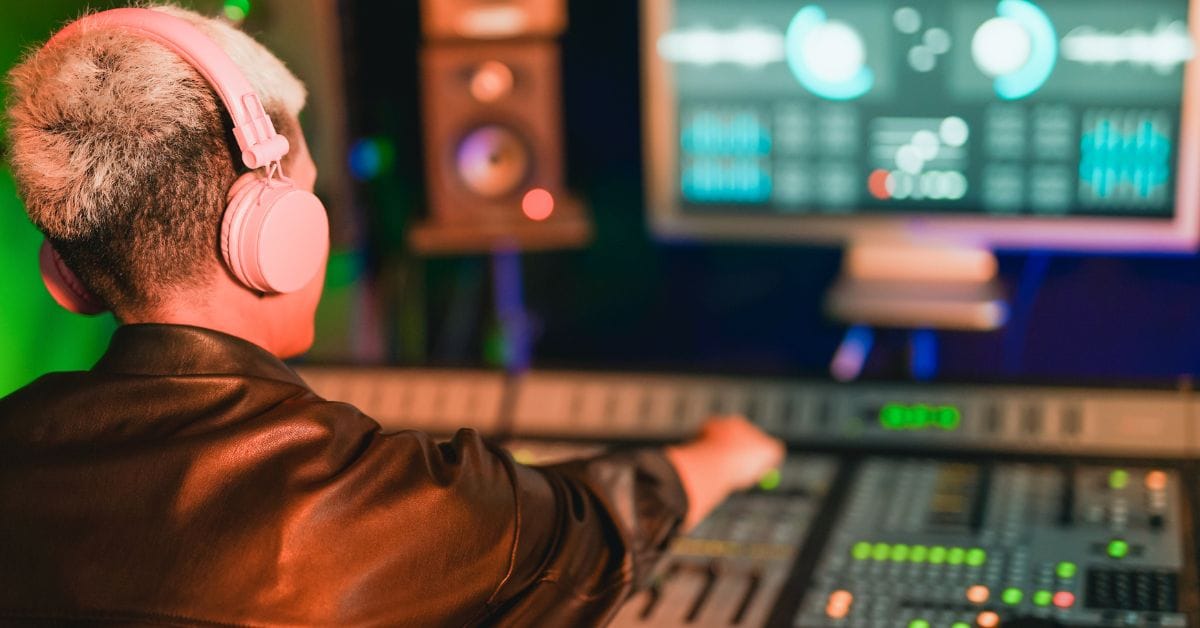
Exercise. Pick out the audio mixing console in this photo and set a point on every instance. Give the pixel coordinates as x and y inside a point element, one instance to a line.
<point>900,506</point>
<point>924,543</point>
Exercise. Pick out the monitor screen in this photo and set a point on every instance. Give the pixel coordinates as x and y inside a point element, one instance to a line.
<point>1011,122</point>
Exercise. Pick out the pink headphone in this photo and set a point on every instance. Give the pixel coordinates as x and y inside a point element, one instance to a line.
<point>274,236</point>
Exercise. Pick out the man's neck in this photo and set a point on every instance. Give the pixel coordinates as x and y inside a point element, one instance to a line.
<point>227,307</point>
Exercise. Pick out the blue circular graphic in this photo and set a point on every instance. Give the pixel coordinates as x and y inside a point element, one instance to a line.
<point>1043,50</point>
<point>807,21</point>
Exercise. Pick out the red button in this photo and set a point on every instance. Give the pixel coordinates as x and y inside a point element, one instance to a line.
<point>1064,599</point>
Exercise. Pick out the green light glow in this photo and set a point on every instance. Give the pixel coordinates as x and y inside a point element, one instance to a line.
<point>1118,549</point>
<point>913,417</point>
<point>881,551</point>
<point>937,555</point>
<point>1065,570</point>
<point>918,623</point>
<point>770,481</point>
<point>960,624</point>
<point>861,550</point>
<point>1118,479</point>
<point>976,557</point>
<point>919,554</point>
<point>1012,596</point>
<point>1043,598</point>
<point>899,553</point>
<point>237,10</point>
<point>956,555</point>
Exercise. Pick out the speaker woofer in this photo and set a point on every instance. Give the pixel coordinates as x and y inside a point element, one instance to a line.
<point>493,162</point>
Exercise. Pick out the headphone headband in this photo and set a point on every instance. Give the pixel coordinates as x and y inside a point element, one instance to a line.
<point>260,144</point>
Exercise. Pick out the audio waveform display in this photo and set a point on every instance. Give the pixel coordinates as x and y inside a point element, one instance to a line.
<point>725,156</point>
<point>1165,48</point>
<point>749,46</point>
<point>1125,159</point>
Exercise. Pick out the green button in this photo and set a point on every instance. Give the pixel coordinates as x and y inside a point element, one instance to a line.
<point>976,557</point>
<point>960,624</point>
<point>949,418</point>
<point>861,550</point>
<point>1118,479</point>
<point>1118,549</point>
<point>919,554</point>
<point>918,623</point>
<point>1012,596</point>
<point>891,416</point>
<point>956,555</point>
<point>899,553</point>
<point>1066,570</point>
<point>881,551</point>
<point>937,554</point>
<point>770,481</point>
<point>1043,598</point>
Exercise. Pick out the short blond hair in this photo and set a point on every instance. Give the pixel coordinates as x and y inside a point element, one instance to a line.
<point>123,155</point>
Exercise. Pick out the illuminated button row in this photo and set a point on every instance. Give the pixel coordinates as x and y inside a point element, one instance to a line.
<point>936,555</point>
<point>1012,596</point>
<point>986,619</point>
<point>990,619</point>
<point>1118,479</point>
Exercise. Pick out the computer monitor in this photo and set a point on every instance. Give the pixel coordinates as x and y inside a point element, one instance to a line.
<point>1047,124</point>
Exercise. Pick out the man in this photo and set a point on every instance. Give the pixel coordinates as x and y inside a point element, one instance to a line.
<point>191,477</point>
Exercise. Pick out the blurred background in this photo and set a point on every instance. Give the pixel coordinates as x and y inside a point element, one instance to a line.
<point>626,299</point>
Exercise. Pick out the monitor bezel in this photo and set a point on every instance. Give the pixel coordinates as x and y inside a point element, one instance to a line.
<point>667,220</point>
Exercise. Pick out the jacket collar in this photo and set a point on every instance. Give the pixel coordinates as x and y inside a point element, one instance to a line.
<point>174,350</point>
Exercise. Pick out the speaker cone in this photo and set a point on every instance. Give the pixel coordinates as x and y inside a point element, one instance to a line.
<point>493,161</point>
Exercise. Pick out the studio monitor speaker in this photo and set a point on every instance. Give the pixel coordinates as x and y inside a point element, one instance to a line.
<point>493,133</point>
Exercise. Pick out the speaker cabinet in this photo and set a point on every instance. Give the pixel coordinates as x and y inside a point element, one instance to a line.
<point>494,149</point>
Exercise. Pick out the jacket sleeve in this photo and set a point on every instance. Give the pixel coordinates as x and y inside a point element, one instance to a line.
<point>587,532</point>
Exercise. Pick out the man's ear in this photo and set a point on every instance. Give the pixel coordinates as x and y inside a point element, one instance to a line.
<point>66,288</point>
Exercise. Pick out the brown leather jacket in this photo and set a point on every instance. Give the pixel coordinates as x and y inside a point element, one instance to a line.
<point>191,477</point>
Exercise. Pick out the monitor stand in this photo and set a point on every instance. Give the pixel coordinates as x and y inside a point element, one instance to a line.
<point>912,286</point>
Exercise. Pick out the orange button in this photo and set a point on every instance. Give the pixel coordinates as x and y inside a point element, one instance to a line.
<point>978,594</point>
<point>841,598</point>
<point>1156,481</point>
<point>839,604</point>
<point>837,612</point>
<point>988,619</point>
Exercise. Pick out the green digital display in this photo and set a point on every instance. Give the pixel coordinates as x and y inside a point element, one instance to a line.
<point>902,417</point>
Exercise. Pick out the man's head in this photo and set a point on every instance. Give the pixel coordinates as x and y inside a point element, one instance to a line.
<point>124,156</point>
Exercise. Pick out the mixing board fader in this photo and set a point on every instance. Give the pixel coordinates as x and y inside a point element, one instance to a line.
<point>732,568</point>
<point>926,544</point>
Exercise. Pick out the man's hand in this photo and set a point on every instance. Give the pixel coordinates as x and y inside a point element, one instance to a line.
<point>731,454</point>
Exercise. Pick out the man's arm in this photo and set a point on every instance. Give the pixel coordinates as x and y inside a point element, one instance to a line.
<point>588,531</point>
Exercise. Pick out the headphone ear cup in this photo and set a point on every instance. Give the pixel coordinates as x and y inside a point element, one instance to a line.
<point>274,236</point>
<point>62,284</point>
<point>235,212</point>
